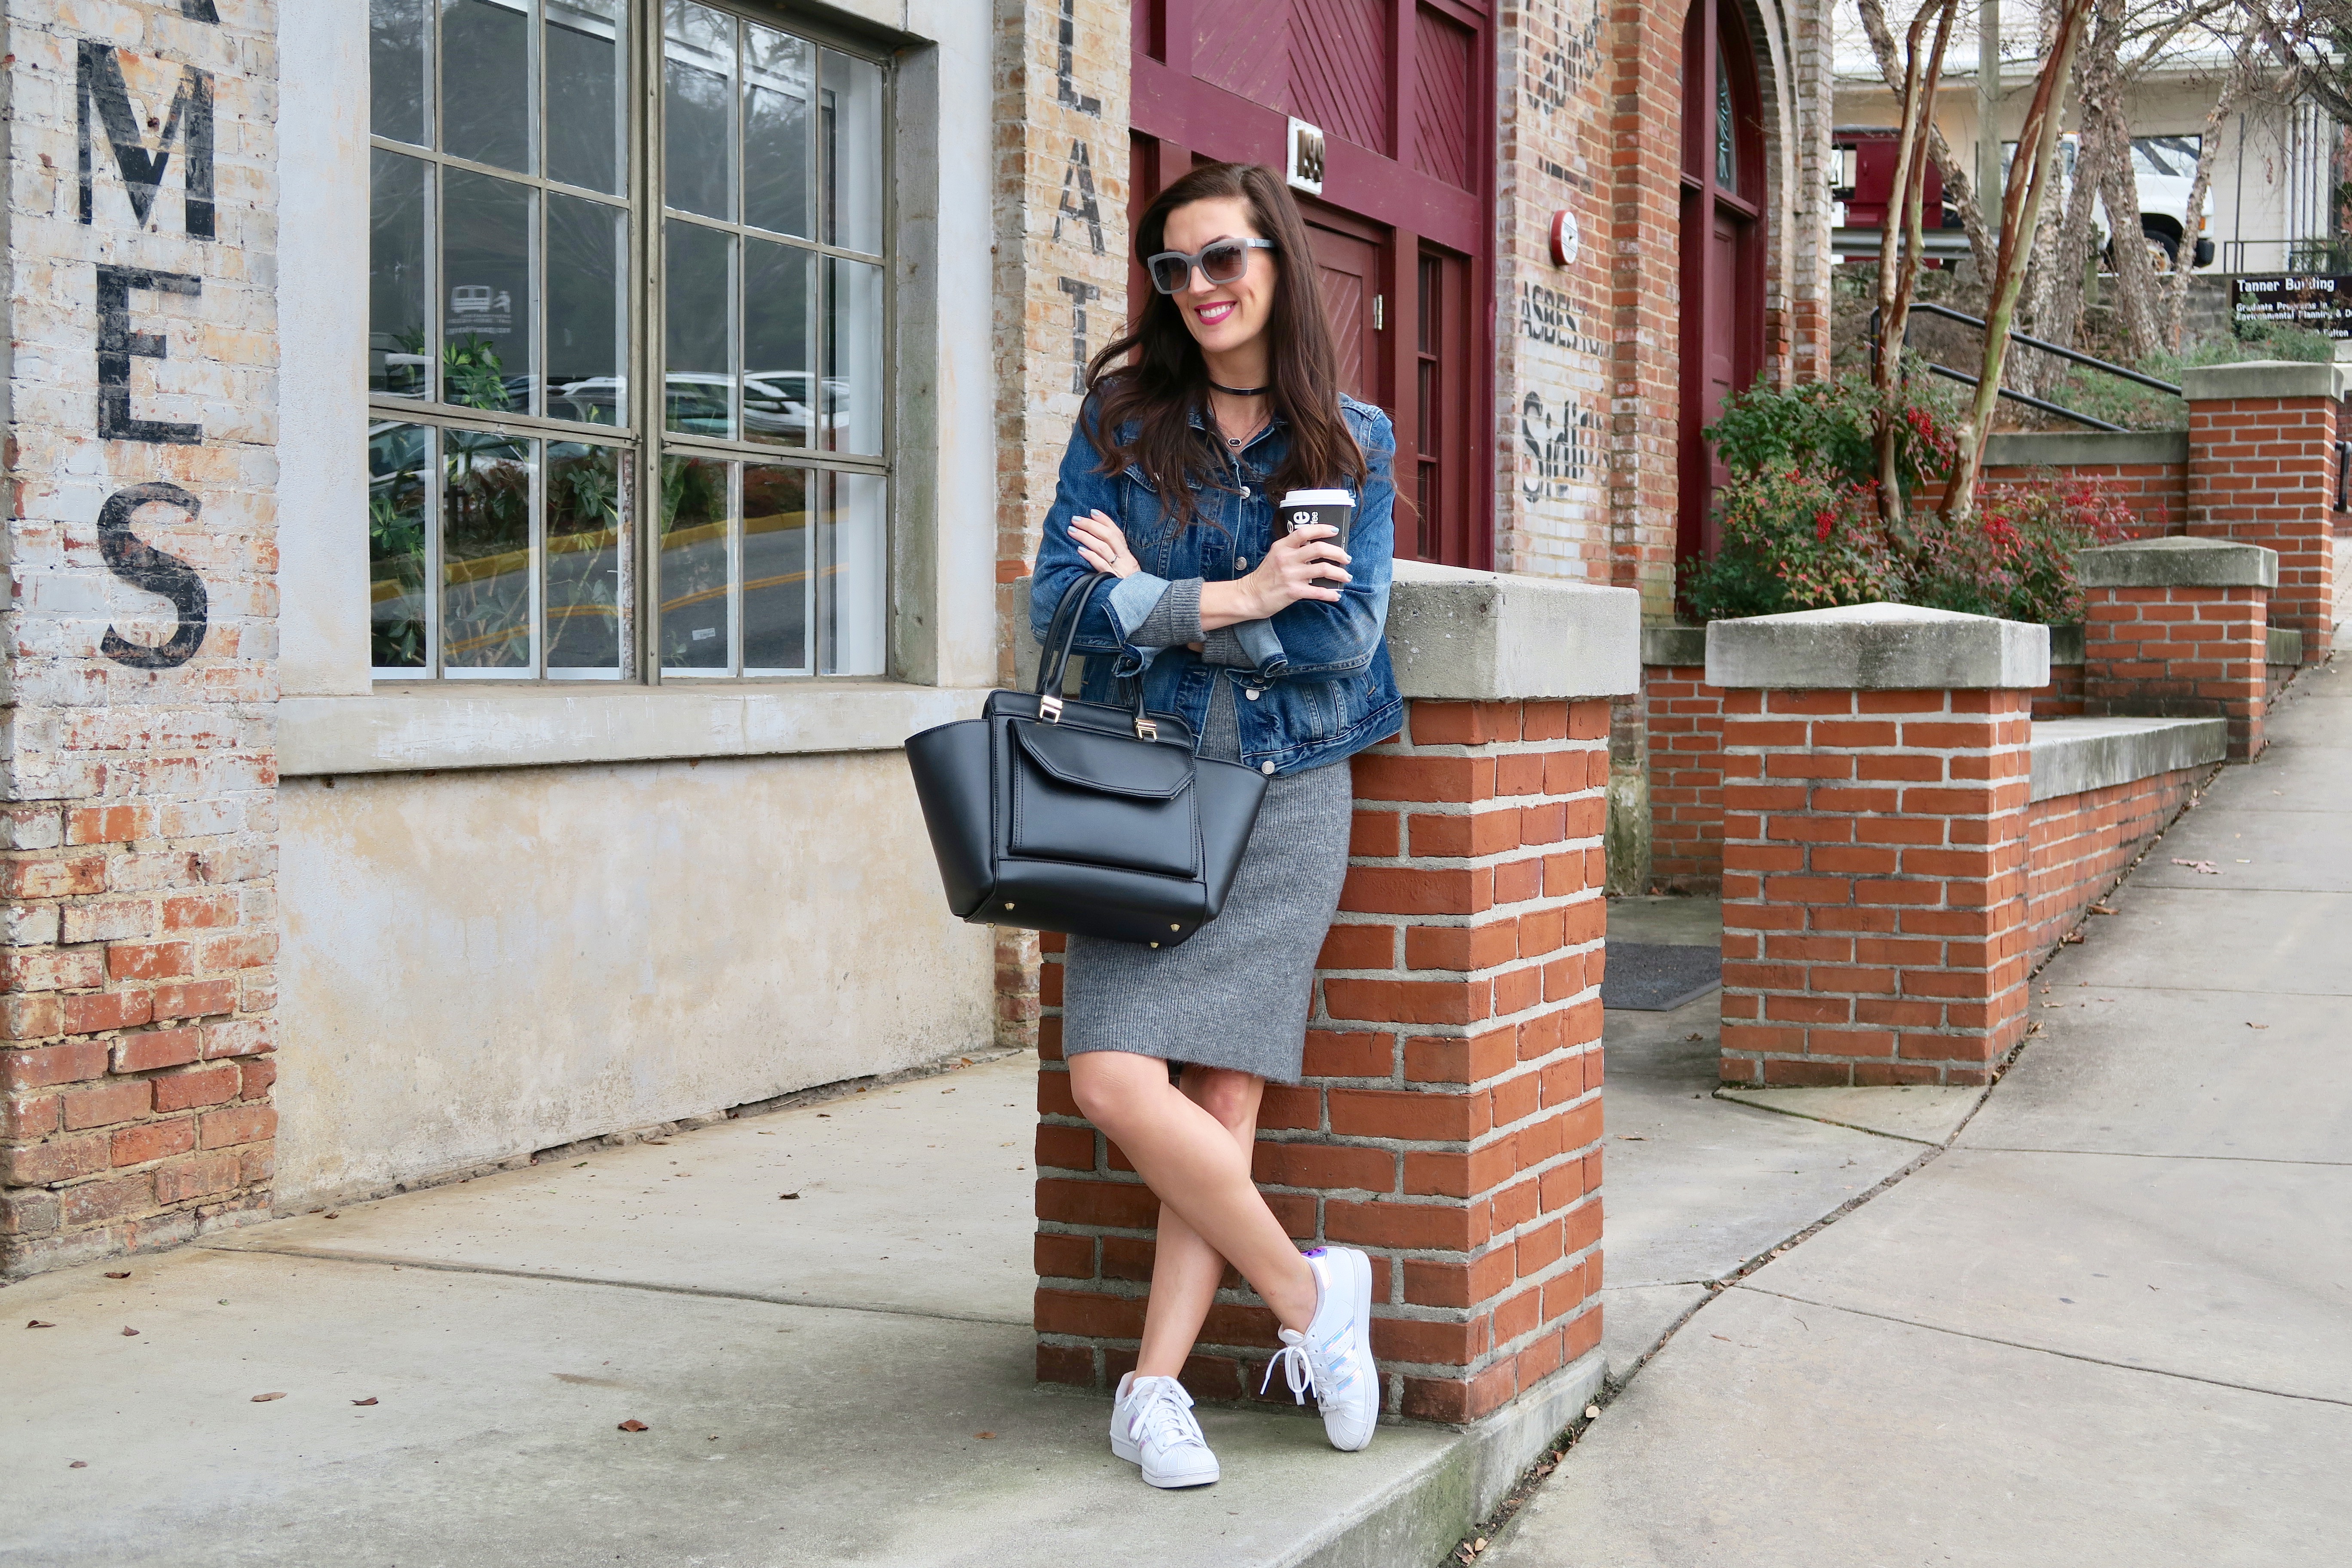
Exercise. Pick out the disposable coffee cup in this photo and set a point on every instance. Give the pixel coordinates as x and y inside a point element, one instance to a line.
<point>1336,509</point>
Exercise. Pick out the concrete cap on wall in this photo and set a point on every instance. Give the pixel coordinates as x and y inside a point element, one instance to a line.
<point>2083,448</point>
<point>1876,647</point>
<point>2176,562</point>
<point>1677,645</point>
<point>2266,378</point>
<point>1491,637</point>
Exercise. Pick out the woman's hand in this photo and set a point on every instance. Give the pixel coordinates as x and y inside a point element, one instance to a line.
<point>1303,565</point>
<point>1104,546</point>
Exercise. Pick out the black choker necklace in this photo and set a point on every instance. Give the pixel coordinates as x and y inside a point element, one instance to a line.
<point>1239,390</point>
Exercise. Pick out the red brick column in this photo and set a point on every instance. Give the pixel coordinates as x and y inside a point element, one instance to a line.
<point>1875,778</point>
<point>1450,1122</point>
<point>2179,628</point>
<point>1686,749</point>
<point>2262,471</point>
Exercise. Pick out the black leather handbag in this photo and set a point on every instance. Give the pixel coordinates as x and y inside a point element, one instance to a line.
<point>1054,813</point>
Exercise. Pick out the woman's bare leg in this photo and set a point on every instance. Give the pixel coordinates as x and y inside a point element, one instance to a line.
<point>1185,1269</point>
<point>1191,1160</point>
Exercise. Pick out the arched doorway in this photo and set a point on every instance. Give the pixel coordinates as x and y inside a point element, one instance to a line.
<point>1722,249</point>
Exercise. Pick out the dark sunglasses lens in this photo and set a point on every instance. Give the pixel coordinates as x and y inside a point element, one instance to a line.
<point>1224,263</point>
<point>1168,272</point>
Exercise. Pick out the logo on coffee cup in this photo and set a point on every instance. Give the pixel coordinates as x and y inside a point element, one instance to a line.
<point>1334,509</point>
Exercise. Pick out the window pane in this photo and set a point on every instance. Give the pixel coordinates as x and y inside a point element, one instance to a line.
<point>694,565</point>
<point>852,542</point>
<point>778,372</point>
<point>398,363</point>
<point>486,280</point>
<point>853,164</point>
<point>777,68</point>
<point>584,485</point>
<point>486,553</point>
<point>485,81</point>
<point>851,398</point>
<point>698,94</point>
<point>399,459</point>
<point>777,589</point>
<point>583,92</point>
<point>399,58</point>
<point>697,323</point>
<point>585,324</point>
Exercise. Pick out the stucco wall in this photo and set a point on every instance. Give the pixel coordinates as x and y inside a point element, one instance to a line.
<point>478,964</point>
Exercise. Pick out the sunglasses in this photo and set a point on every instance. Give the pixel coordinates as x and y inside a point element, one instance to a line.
<point>1224,261</point>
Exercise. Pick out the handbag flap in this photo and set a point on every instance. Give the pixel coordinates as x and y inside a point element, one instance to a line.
<point>1106,764</point>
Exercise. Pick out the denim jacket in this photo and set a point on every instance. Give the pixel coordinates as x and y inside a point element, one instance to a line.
<point>1312,682</point>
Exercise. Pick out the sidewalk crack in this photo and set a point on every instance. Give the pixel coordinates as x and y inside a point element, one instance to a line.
<point>2043,1349</point>
<point>2145,1155</point>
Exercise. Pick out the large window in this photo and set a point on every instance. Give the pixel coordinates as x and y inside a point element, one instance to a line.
<point>549,238</point>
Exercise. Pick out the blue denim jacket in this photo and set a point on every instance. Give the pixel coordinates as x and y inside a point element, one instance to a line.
<point>1312,682</point>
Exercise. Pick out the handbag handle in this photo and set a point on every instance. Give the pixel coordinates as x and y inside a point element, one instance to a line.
<point>1054,657</point>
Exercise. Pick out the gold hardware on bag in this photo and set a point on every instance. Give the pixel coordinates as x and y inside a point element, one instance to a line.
<point>1051,708</point>
<point>1155,944</point>
<point>1145,729</point>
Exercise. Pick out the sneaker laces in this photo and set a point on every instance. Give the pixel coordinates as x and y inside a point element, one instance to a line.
<point>1165,1417</point>
<point>1297,1369</point>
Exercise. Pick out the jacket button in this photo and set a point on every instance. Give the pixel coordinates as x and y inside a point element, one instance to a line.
<point>1265,767</point>
<point>1250,692</point>
<point>1245,493</point>
<point>1241,563</point>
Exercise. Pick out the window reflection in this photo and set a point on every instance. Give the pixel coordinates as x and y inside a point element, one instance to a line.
<point>400,490</point>
<point>777,86</point>
<point>584,80</point>
<point>399,66</point>
<point>852,368</point>
<point>698,105</point>
<point>586,328</point>
<point>486,484</point>
<point>693,565</point>
<point>777,588</point>
<point>485,81</point>
<point>853,160</point>
<point>779,394</point>
<point>585,512</point>
<point>398,363</point>
<point>853,545</point>
<point>700,328</point>
<point>485,360</point>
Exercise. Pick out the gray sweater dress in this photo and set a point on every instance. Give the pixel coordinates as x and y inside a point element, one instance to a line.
<point>1235,995</point>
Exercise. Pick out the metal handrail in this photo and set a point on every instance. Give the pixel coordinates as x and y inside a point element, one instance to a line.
<point>2081,359</point>
<point>1965,379</point>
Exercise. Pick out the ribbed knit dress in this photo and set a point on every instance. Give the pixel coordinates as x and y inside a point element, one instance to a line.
<point>1236,994</point>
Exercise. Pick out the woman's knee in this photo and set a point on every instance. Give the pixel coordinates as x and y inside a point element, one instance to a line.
<point>1111,1088</point>
<point>1229,1096</point>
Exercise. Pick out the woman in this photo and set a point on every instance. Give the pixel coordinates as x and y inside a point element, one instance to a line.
<point>1273,652</point>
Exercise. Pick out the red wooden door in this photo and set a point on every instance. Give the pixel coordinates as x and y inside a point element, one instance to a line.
<point>1722,253</point>
<point>1402,91</point>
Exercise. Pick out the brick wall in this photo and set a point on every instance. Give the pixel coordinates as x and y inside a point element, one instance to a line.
<point>1450,1120</point>
<point>1685,743</point>
<point>2179,652</point>
<point>1060,294</point>
<point>2079,845</point>
<point>138,831</point>
<point>2063,698</point>
<point>2262,471</point>
<point>1874,884</point>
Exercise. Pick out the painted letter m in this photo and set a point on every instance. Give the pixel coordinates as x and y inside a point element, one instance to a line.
<point>98,80</point>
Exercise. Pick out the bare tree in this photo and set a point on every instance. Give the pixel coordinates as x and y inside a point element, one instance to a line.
<point>1902,245</point>
<point>2020,207</point>
<point>1959,188</point>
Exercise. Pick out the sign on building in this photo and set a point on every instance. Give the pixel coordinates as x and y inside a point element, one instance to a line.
<point>2316,302</point>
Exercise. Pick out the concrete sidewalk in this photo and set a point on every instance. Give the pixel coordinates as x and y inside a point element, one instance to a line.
<point>2111,1324</point>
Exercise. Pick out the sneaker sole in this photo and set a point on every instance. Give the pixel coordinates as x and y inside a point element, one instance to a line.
<point>1125,1451</point>
<point>1359,1283</point>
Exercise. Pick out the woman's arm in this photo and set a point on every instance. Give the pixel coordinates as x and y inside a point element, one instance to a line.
<point>1328,635</point>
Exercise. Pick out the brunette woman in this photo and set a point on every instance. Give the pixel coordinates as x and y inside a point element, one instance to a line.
<point>1223,399</point>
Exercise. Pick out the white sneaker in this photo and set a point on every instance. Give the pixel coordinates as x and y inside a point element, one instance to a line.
<point>1152,1424</point>
<point>1334,1356</point>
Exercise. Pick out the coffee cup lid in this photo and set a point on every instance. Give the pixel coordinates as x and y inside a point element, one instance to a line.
<point>1318,498</point>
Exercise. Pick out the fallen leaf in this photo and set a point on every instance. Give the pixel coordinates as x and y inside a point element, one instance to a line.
<point>635,1426</point>
<point>2034,1028</point>
<point>582,1163</point>
<point>2072,936</point>
<point>1725,1338</point>
<point>788,1197</point>
<point>265,1398</point>
<point>125,1274</point>
<point>78,1465</point>
<point>2103,909</point>
<point>983,1434</point>
<point>1593,1413</point>
<point>658,1143</point>
<point>369,1400</point>
<point>1479,1545</point>
<point>2254,1026</point>
<point>129,1333</point>
<point>1632,1137</point>
<point>330,1214</point>
<point>2207,867</point>
<point>824,1115</point>
<point>37,1323</point>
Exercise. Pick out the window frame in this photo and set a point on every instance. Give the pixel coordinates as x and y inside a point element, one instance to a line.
<point>641,440</point>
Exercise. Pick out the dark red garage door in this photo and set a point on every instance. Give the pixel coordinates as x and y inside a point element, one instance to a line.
<point>1401,91</point>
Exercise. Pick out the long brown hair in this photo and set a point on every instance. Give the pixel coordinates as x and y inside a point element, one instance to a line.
<point>1169,380</point>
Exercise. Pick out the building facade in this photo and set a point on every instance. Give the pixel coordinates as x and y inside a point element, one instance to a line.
<point>429,745</point>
